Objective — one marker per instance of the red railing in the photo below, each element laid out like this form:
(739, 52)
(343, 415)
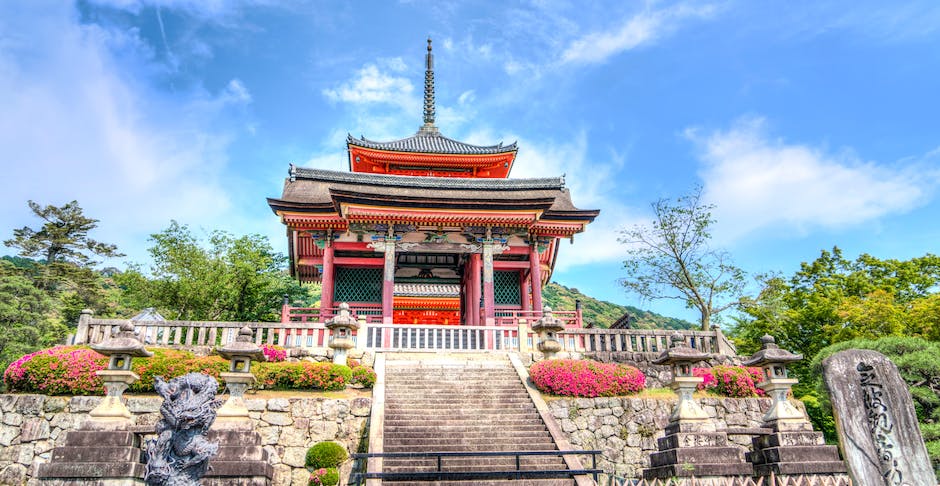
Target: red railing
(373, 315)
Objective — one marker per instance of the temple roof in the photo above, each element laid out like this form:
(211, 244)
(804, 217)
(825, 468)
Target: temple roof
(317, 190)
(427, 142)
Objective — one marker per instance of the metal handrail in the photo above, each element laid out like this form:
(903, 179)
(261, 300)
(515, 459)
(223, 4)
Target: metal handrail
(517, 473)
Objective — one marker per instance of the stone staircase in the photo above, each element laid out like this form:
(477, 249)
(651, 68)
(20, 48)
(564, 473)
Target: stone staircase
(463, 403)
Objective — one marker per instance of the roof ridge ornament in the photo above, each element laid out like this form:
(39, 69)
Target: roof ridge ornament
(428, 126)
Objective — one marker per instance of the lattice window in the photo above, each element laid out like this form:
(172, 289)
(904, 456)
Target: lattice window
(506, 288)
(358, 285)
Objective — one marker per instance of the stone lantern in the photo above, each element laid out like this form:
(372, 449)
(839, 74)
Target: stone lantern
(240, 353)
(773, 360)
(120, 347)
(681, 357)
(548, 326)
(692, 447)
(341, 327)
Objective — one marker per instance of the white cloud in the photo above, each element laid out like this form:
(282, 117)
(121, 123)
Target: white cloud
(375, 84)
(642, 28)
(79, 123)
(758, 182)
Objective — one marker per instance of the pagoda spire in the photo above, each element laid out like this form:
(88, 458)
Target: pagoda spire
(429, 92)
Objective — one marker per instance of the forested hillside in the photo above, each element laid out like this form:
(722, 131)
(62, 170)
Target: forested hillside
(603, 314)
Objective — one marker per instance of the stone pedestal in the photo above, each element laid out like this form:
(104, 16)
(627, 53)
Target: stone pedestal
(111, 413)
(241, 461)
(688, 451)
(795, 452)
(95, 457)
(234, 408)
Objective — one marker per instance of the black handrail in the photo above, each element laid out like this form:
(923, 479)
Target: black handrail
(517, 473)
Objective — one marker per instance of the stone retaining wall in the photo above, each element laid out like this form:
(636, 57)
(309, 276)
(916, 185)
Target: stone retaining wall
(626, 428)
(32, 425)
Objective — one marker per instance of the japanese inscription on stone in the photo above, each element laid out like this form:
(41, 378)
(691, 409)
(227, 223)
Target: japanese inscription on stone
(875, 418)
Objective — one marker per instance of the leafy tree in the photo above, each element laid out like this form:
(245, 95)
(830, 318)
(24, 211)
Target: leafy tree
(27, 316)
(670, 259)
(834, 299)
(62, 255)
(226, 278)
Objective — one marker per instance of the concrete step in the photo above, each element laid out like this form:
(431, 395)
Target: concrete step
(494, 482)
(454, 463)
(479, 447)
(466, 432)
(429, 444)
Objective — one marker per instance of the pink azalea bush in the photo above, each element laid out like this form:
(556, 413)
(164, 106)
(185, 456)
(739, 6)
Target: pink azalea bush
(363, 375)
(731, 381)
(57, 371)
(585, 378)
(274, 354)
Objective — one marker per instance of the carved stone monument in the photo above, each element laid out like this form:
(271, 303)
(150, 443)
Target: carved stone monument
(878, 430)
(179, 455)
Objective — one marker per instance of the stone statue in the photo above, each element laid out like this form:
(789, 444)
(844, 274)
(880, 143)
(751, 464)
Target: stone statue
(179, 455)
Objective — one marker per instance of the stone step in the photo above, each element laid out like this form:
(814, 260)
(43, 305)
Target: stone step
(495, 422)
(493, 482)
(471, 447)
(429, 444)
(481, 429)
(460, 409)
(403, 464)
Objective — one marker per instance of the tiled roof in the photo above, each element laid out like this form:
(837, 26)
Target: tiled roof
(300, 173)
(431, 142)
(427, 290)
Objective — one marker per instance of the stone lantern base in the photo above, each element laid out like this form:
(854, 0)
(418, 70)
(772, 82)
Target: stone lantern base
(234, 412)
(789, 451)
(111, 413)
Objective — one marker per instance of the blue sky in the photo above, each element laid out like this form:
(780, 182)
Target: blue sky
(808, 124)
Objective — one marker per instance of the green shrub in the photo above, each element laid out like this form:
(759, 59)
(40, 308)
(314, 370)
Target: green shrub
(302, 375)
(363, 375)
(325, 455)
(327, 476)
(820, 413)
(170, 363)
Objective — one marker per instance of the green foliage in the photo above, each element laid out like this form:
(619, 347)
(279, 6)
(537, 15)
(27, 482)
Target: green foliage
(28, 320)
(834, 299)
(326, 454)
(225, 278)
(170, 363)
(670, 259)
(602, 314)
(63, 237)
(301, 375)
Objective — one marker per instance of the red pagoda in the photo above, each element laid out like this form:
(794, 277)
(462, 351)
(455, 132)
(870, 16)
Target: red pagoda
(427, 229)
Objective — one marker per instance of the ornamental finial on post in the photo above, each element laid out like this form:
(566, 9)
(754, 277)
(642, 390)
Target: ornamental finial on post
(429, 91)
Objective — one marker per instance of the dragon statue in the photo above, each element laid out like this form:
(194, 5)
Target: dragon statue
(179, 455)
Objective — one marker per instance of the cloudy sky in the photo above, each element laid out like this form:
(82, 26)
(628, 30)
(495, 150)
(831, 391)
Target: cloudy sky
(808, 124)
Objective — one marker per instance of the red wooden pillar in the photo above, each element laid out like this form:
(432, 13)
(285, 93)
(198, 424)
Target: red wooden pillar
(524, 291)
(475, 267)
(326, 295)
(489, 300)
(388, 282)
(535, 277)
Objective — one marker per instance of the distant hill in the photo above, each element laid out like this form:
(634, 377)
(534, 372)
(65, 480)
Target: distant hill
(603, 314)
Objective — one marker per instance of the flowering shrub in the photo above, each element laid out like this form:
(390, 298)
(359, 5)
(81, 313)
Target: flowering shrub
(325, 476)
(318, 376)
(363, 375)
(57, 371)
(70, 370)
(585, 378)
(274, 354)
(731, 381)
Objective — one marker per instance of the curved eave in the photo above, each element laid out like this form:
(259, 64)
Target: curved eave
(587, 215)
(457, 147)
(278, 205)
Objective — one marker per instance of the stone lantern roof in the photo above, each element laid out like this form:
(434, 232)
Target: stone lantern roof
(124, 341)
(343, 319)
(680, 352)
(770, 353)
(243, 347)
